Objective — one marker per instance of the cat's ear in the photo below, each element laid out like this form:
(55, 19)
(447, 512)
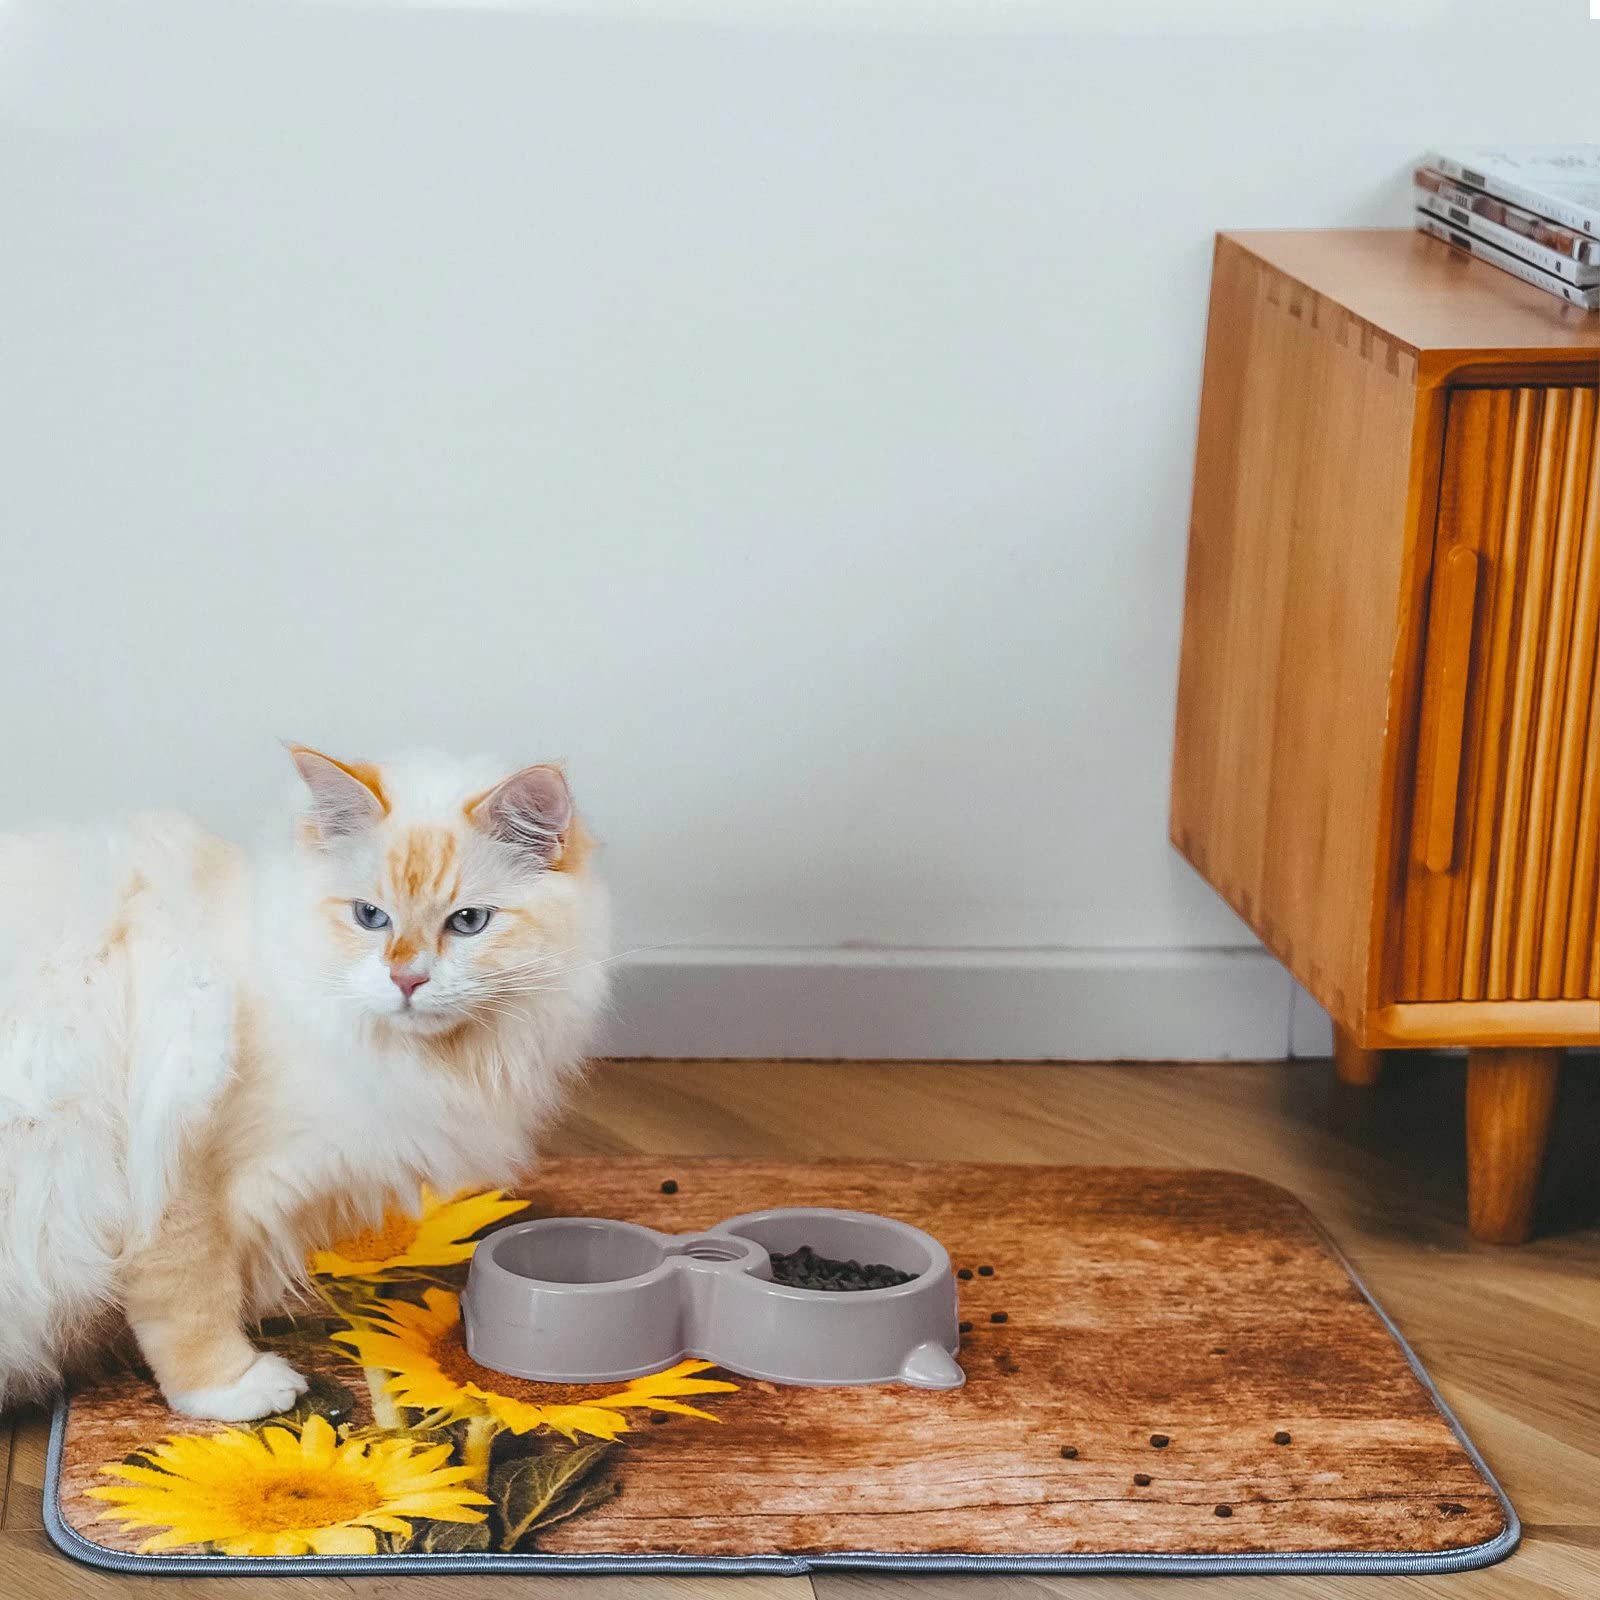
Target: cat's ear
(346, 797)
(531, 810)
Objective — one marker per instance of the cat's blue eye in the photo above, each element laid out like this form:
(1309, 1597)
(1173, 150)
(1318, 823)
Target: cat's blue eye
(369, 915)
(470, 919)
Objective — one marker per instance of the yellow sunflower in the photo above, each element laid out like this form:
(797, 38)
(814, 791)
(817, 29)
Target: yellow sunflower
(423, 1346)
(277, 1493)
(440, 1236)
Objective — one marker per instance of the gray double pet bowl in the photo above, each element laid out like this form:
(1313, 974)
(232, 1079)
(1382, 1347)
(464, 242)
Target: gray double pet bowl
(586, 1300)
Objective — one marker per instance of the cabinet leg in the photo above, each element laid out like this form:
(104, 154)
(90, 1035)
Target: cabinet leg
(1510, 1097)
(1353, 1065)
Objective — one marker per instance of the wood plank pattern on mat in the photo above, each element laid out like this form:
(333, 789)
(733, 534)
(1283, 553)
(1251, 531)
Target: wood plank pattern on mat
(1163, 1325)
(1200, 1308)
(1509, 1334)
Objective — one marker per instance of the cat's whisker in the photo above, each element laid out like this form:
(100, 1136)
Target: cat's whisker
(486, 1003)
(623, 955)
(547, 968)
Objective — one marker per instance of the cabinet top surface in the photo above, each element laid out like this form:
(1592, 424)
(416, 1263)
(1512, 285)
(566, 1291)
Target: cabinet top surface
(1425, 294)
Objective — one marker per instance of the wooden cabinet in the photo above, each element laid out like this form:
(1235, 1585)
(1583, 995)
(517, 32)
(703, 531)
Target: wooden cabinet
(1388, 743)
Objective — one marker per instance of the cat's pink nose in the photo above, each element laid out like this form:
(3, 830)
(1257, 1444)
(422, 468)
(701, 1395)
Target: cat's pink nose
(407, 982)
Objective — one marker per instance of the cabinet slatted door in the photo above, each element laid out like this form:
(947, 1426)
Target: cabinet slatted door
(1502, 877)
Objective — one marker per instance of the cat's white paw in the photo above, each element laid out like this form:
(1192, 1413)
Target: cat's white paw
(268, 1385)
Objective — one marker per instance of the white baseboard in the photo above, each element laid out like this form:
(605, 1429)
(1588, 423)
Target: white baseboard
(972, 1005)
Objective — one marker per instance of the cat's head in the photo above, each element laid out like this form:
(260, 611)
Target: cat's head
(437, 894)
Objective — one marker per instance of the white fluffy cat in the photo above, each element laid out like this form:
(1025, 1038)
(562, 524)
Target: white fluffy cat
(210, 1062)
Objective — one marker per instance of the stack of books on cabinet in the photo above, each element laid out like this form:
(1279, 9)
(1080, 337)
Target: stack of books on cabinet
(1533, 211)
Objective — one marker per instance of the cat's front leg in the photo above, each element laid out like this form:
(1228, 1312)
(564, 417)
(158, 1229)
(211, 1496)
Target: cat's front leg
(183, 1288)
(185, 1304)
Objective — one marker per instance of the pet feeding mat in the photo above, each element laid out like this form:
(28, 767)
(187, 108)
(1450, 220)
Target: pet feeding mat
(1166, 1371)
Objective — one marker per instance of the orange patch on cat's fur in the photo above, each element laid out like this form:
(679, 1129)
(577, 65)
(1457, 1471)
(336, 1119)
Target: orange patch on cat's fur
(422, 863)
(184, 1294)
(116, 937)
(576, 844)
(337, 910)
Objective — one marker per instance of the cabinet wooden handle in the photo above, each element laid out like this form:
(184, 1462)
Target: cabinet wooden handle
(1449, 661)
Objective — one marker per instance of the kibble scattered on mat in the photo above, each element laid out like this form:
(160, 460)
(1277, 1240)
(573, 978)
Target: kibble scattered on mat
(803, 1268)
(1280, 1437)
(998, 1316)
(1069, 1452)
(985, 1272)
(964, 1327)
(964, 1273)
(1160, 1441)
(1142, 1479)
(1224, 1511)
(670, 1186)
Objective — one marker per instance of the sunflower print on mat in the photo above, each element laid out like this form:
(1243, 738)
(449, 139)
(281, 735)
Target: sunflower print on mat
(426, 1472)
(442, 1233)
(423, 1348)
(276, 1492)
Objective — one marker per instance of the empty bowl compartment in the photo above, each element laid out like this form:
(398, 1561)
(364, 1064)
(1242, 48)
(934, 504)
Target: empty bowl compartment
(574, 1250)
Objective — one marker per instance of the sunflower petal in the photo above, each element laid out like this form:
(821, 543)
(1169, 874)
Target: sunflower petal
(348, 1540)
(135, 1475)
(330, 1264)
(686, 1386)
(291, 1543)
(154, 1545)
(317, 1442)
(463, 1507)
(678, 1409)
(682, 1379)
(573, 1420)
(387, 1524)
(457, 1220)
(281, 1443)
(643, 1393)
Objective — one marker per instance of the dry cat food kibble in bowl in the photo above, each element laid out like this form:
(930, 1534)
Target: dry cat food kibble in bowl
(803, 1268)
(589, 1300)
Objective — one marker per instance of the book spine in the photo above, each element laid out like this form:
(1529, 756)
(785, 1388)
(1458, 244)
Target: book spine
(1564, 241)
(1485, 227)
(1571, 216)
(1588, 298)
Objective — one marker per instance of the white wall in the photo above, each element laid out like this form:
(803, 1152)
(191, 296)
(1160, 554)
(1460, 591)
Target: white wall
(783, 411)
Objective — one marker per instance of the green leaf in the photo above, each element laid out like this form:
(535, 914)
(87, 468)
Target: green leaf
(536, 1490)
(587, 1498)
(450, 1538)
(509, 1447)
(325, 1398)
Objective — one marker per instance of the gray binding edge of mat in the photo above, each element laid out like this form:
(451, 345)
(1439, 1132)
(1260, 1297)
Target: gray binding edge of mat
(1282, 1563)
